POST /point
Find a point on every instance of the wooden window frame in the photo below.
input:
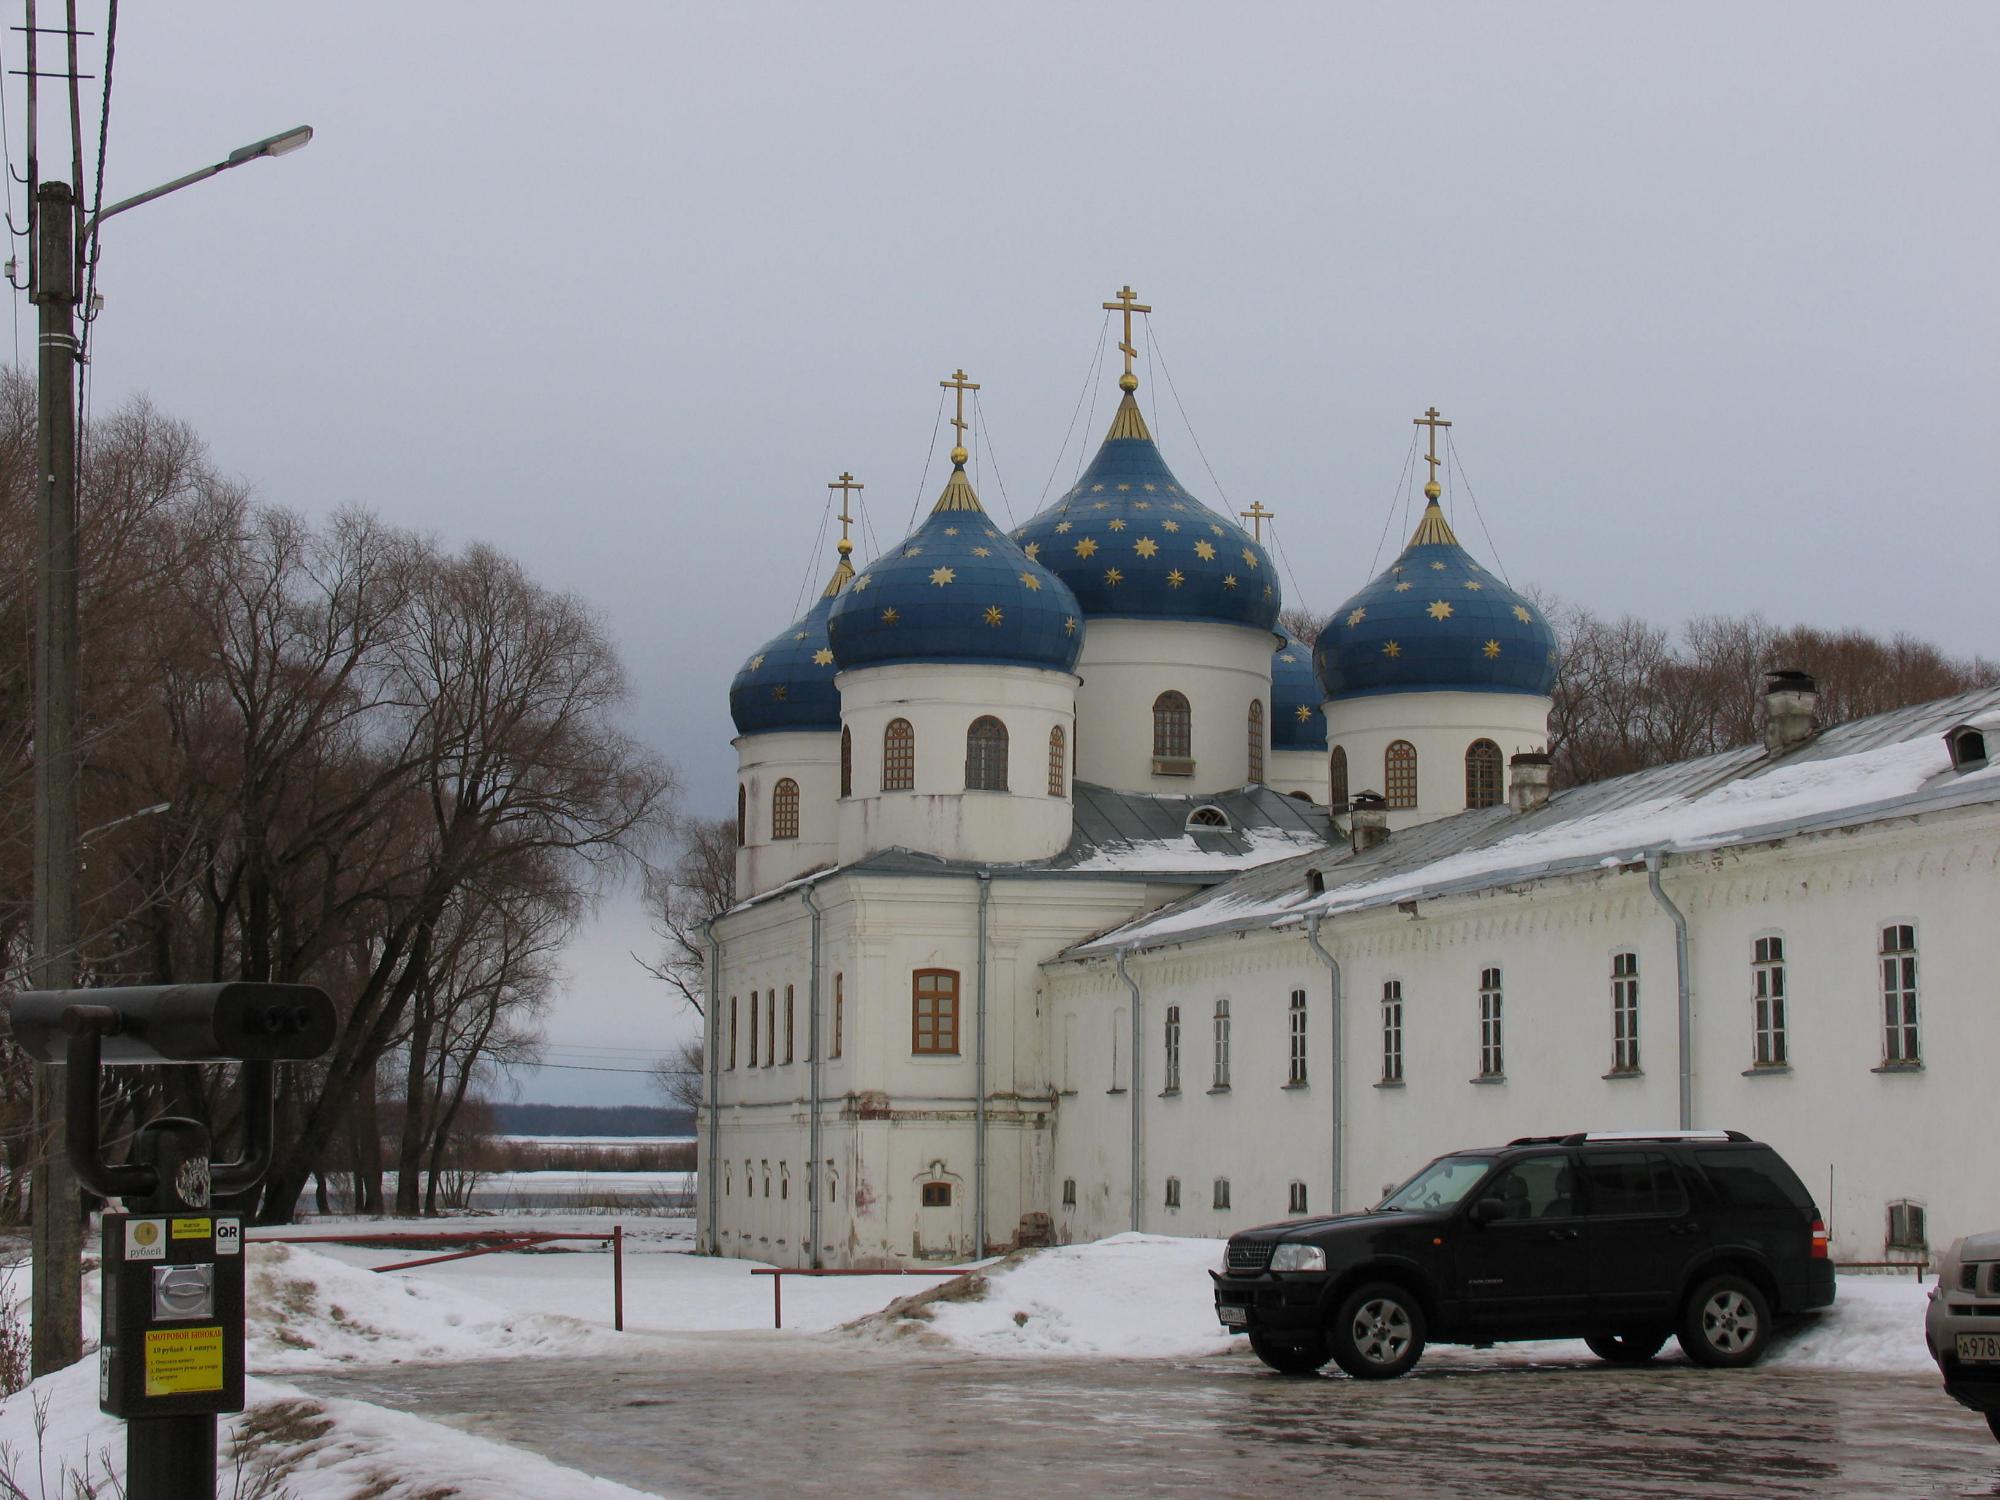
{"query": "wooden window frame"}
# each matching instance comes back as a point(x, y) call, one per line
point(790, 1028)
point(1256, 741)
point(899, 756)
point(1220, 1037)
point(784, 810)
point(1399, 776)
point(1901, 1034)
point(941, 1033)
point(753, 1028)
point(846, 761)
point(742, 814)
point(1058, 763)
point(935, 1195)
point(1492, 1023)
point(1770, 1003)
point(732, 1033)
point(1625, 1012)
point(1173, 1050)
point(986, 754)
point(839, 1010)
point(1392, 1031)
point(1295, 1072)
point(1173, 734)
point(1336, 778)
point(771, 1027)
point(1483, 774)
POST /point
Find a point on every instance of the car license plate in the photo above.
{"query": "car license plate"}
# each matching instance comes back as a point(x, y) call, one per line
point(1979, 1348)
point(1235, 1317)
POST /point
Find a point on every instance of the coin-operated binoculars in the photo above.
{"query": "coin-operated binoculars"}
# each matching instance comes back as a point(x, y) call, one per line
point(170, 1353)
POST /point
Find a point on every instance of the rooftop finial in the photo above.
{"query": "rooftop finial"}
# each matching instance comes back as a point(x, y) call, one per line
point(961, 385)
point(844, 570)
point(1128, 303)
point(1256, 515)
point(1431, 420)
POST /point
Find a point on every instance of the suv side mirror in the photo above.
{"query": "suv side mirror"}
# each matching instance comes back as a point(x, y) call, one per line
point(1485, 1211)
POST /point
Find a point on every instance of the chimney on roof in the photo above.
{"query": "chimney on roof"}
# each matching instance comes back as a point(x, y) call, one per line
point(1790, 699)
point(1528, 781)
point(1367, 820)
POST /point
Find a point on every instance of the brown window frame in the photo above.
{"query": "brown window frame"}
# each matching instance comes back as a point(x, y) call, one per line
point(753, 1028)
point(846, 761)
point(943, 1036)
point(986, 755)
point(1058, 767)
point(936, 1195)
point(839, 1009)
point(1173, 726)
point(1256, 740)
point(742, 814)
point(789, 1029)
point(732, 1033)
point(899, 756)
point(771, 1027)
point(1336, 778)
point(784, 809)
point(1399, 775)
point(1482, 774)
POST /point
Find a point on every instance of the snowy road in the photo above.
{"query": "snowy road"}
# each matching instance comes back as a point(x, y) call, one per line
point(752, 1416)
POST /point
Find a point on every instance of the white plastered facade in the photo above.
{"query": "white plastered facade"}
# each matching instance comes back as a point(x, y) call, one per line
point(1442, 726)
point(1127, 664)
point(811, 761)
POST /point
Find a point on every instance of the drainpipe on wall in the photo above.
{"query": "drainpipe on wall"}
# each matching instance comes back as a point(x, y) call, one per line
point(1686, 995)
point(1138, 1097)
point(979, 1068)
point(1339, 1071)
point(812, 1052)
point(713, 1055)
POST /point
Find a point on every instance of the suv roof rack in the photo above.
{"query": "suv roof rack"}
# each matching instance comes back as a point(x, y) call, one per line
point(1579, 1137)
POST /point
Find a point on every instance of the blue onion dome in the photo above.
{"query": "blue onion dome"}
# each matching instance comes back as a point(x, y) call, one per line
point(1436, 622)
point(787, 684)
point(1298, 717)
point(957, 590)
point(1134, 544)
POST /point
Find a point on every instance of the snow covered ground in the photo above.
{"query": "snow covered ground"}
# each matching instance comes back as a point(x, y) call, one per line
point(313, 1306)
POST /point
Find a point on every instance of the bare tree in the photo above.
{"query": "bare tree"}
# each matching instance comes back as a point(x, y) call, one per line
point(1304, 624)
point(680, 1075)
point(699, 887)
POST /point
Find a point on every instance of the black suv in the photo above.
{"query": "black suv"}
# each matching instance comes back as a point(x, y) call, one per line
point(1618, 1239)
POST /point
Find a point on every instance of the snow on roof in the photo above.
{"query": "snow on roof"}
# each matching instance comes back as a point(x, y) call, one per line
point(1889, 765)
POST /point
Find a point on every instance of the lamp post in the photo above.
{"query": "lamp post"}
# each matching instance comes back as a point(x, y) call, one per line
point(57, 1311)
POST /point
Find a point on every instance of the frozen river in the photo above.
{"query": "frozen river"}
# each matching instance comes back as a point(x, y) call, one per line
point(753, 1416)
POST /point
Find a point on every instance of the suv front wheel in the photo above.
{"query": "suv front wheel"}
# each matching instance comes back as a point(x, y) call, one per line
point(1726, 1323)
point(1378, 1332)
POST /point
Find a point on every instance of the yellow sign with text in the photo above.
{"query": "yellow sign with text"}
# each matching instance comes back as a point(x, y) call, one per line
point(183, 1361)
point(192, 1229)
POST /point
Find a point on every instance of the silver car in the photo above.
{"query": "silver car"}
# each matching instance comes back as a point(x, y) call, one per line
point(1962, 1324)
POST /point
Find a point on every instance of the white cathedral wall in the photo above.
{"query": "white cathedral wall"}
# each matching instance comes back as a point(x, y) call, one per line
point(938, 815)
point(1291, 771)
point(1442, 727)
point(810, 758)
point(1861, 1138)
point(1127, 664)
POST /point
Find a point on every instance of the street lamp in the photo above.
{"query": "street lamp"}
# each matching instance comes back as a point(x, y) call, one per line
point(57, 1337)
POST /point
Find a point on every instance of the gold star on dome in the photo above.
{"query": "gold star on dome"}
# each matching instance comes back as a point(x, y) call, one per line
point(1397, 569)
point(1100, 504)
point(1474, 584)
point(1473, 566)
point(1175, 578)
point(982, 551)
point(1288, 658)
point(1145, 546)
point(1031, 583)
point(1085, 548)
point(1523, 616)
point(1304, 713)
point(1170, 525)
point(1205, 550)
point(911, 551)
point(890, 615)
point(798, 635)
point(1173, 489)
point(1062, 526)
point(1149, 488)
point(778, 693)
point(1124, 487)
point(1215, 528)
point(1437, 567)
point(1403, 587)
point(1229, 580)
point(1096, 488)
point(992, 533)
point(1177, 504)
point(1033, 551)
point(1249, 558)
point(822, 657)
point(1117, 523)
point(1354, 618)
point(1069, 624)
point(993, 614)
point(942, 576)
point(1440, 610)
point(1113, 577)
point(862, 583)
point(1391, 649)
point(1491, 649)
point(1267, 591)
point(1143, 504)
point(757, 661)
point(951, 531)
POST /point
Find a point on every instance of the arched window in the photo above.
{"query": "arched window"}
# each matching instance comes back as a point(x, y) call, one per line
point(899, 756)
point(1257, 739)
point(1482, 774)
point(1336, 778)
point(846, 761)
point(986, 755)
point(1399, 774)
point(1173, 727)
point(1058, 781)
point(785, 809)
point(742, 813)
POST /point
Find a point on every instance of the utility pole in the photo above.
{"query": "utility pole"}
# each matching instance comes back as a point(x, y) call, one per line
point(58, 1230)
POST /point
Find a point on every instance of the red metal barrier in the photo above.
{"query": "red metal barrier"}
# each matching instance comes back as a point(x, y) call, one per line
point(1919, 1268)
point(779, 1273)
point(501, 1241)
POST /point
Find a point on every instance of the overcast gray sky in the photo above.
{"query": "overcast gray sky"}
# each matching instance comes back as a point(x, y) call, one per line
point(1707, 289)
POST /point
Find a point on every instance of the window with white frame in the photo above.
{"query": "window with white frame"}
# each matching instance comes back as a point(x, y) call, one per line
point(1899, 994)
point(1906, 1226)
point(1295, 1075)
point(1492, 1055)
point(1392, 1031)
point(1173, 1192)
point(1297, 1199)
point(1219, 1195)
point(1624, 1012)
point(1221, 1045)
point(1767, 988)
point(1173, 1068)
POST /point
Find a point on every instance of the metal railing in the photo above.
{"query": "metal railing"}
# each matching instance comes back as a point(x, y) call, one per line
point(779, 1273)
point(1918, 1268)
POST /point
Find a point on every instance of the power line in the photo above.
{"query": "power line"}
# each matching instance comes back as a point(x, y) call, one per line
point(1152, 341)
point(1089, 377)
point(1389, 519)
point(985, 438)
point(1451, 451)
point(924, 482)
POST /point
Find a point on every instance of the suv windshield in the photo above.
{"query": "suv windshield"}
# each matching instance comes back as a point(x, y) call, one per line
point(1439, 1185)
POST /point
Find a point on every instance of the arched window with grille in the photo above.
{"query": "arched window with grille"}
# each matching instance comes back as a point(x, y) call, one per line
point(785, 809)
point(986, 755)
point(1336, 778)
point(1058, 771)
point(1257, 739)
point(1399, 774)
point(899, 756)
point(1482, 774)
point(1173, 735)
point(846, 761)
point(742, 814)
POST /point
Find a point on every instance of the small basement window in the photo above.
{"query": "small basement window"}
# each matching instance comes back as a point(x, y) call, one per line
point(1069, 1192)
point(1967, 746)
point(1906, 1226)
point(1173, 1192)
point(937, 1195)
point(1207, 817)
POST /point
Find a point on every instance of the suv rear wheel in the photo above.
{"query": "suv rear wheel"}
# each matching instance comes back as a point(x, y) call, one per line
point(1627, 1348)
point(1287, 1360)
point(1726, 1323)
point(1378, 1332)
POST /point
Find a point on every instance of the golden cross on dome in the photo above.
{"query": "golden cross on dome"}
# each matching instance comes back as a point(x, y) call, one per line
point(1128, 303)
point(1256, 515)
point(846, 484)
point(1431, 420)
point(961, 385)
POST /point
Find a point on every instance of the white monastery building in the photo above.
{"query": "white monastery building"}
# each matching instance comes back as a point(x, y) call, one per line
point(1076, 897)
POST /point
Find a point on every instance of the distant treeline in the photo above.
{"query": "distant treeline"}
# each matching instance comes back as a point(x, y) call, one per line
point(590, 1119)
